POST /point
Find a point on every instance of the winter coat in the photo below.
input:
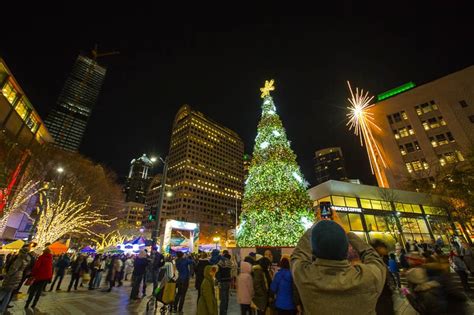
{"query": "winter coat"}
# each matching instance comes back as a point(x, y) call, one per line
point(426, 297)
point(199, 271)
point(225, 270)
point(207, 303)
point(459, 265)
point(245, 284)
point(14, 273)
point(337, 287)
point(43, 268)
point(158, 261)
point(393, 266)
point(182, 265)
point(282, 286)
point(385, 301)
point(62, 264)
point(261, 288)
point(468, 258)
point(215, 257)
point(139, 266)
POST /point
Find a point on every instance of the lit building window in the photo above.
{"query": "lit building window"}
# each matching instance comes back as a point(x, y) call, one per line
point(9, 92)
point(425, 125)
point(417, 166)
point(409, 168)
point(402, 150)
point(404, 115)
point(403, 132)
point(425, 164)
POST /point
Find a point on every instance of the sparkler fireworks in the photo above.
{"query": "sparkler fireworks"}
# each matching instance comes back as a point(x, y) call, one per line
point(362, 122)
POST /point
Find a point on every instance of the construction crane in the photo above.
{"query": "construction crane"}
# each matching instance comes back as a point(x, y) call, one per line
point(95, 53)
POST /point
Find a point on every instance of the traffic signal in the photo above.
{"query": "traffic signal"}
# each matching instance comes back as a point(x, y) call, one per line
point(151, 217)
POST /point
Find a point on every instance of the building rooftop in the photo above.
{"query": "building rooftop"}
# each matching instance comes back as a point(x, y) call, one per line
point(338, 188)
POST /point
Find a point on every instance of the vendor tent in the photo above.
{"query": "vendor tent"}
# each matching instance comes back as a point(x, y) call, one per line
point(16, 245)
point(88, 250)
point(58, 248)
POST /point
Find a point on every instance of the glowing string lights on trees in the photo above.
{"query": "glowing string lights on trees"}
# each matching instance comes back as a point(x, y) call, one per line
point(361, 120)
point(60, 217)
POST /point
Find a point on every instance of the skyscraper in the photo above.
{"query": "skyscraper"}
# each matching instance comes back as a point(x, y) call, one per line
point(329, 164)
point(67, 121)
point(205, 169)
point(426, 130)
point(138, 179)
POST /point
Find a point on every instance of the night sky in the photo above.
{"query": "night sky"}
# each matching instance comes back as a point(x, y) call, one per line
point(216, 58)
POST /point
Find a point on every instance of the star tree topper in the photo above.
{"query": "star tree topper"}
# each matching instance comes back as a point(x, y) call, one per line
point(267, 88)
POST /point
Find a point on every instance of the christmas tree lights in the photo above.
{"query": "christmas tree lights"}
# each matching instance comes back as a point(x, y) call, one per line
point(276, 208)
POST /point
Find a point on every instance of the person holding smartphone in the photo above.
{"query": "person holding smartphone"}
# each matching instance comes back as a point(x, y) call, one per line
point(327, 282)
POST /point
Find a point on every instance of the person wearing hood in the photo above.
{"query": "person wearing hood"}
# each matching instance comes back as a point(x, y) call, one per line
point(224, 278)
point(42, 273)
point(199, 271)
point(13, 277)
point(61, 266)
point(330, 284)
point(139, 275)
point(282, 286)
point(261, 285)
point(245, 288)
point(207, 302)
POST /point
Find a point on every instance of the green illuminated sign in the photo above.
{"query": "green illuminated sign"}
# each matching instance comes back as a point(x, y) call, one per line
point(395, 91)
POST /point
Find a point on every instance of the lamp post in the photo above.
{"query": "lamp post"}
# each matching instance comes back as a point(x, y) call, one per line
point(156, 230)
point(216, 240)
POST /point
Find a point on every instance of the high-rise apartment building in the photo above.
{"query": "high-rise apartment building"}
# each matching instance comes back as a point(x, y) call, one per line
point(205, 170)
point(329, 164)
point(67, 121)
point(138, 180)
point(426, 129)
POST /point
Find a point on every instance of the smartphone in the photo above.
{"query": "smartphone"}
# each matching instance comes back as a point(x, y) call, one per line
point(325, 210)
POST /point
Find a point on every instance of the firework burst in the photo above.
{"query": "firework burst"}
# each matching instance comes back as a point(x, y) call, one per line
point(363, 122)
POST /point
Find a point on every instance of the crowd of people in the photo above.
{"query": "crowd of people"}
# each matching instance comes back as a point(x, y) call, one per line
point(330, 271)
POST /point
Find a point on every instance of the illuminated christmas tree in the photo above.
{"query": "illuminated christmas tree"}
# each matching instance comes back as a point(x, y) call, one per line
point(276, 208)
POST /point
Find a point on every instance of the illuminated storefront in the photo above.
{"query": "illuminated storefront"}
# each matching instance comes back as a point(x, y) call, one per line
point(387, 214)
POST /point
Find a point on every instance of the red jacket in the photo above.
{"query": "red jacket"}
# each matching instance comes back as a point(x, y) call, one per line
point(43, 268)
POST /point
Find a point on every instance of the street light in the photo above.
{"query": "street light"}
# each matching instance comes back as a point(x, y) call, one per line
point(169, 194)
point(156, 230)
point(216, 240)
point(60, 170)
point(153, 159)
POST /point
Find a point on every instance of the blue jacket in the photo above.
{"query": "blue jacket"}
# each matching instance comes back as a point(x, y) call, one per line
point(282, 286)
point(392, 265)
point(182, 265)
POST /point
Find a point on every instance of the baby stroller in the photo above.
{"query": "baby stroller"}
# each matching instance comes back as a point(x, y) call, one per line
point(163, 297)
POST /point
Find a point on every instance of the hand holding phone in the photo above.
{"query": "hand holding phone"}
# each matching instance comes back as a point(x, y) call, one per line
point(325, 210)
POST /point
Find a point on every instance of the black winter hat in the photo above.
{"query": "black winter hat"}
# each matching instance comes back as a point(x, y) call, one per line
point(329, 241)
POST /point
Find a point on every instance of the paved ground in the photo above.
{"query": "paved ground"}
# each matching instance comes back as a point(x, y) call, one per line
point(97, 302)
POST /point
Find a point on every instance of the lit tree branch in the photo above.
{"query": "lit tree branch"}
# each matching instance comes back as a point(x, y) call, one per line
point(24, 194)
point(61, 217)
